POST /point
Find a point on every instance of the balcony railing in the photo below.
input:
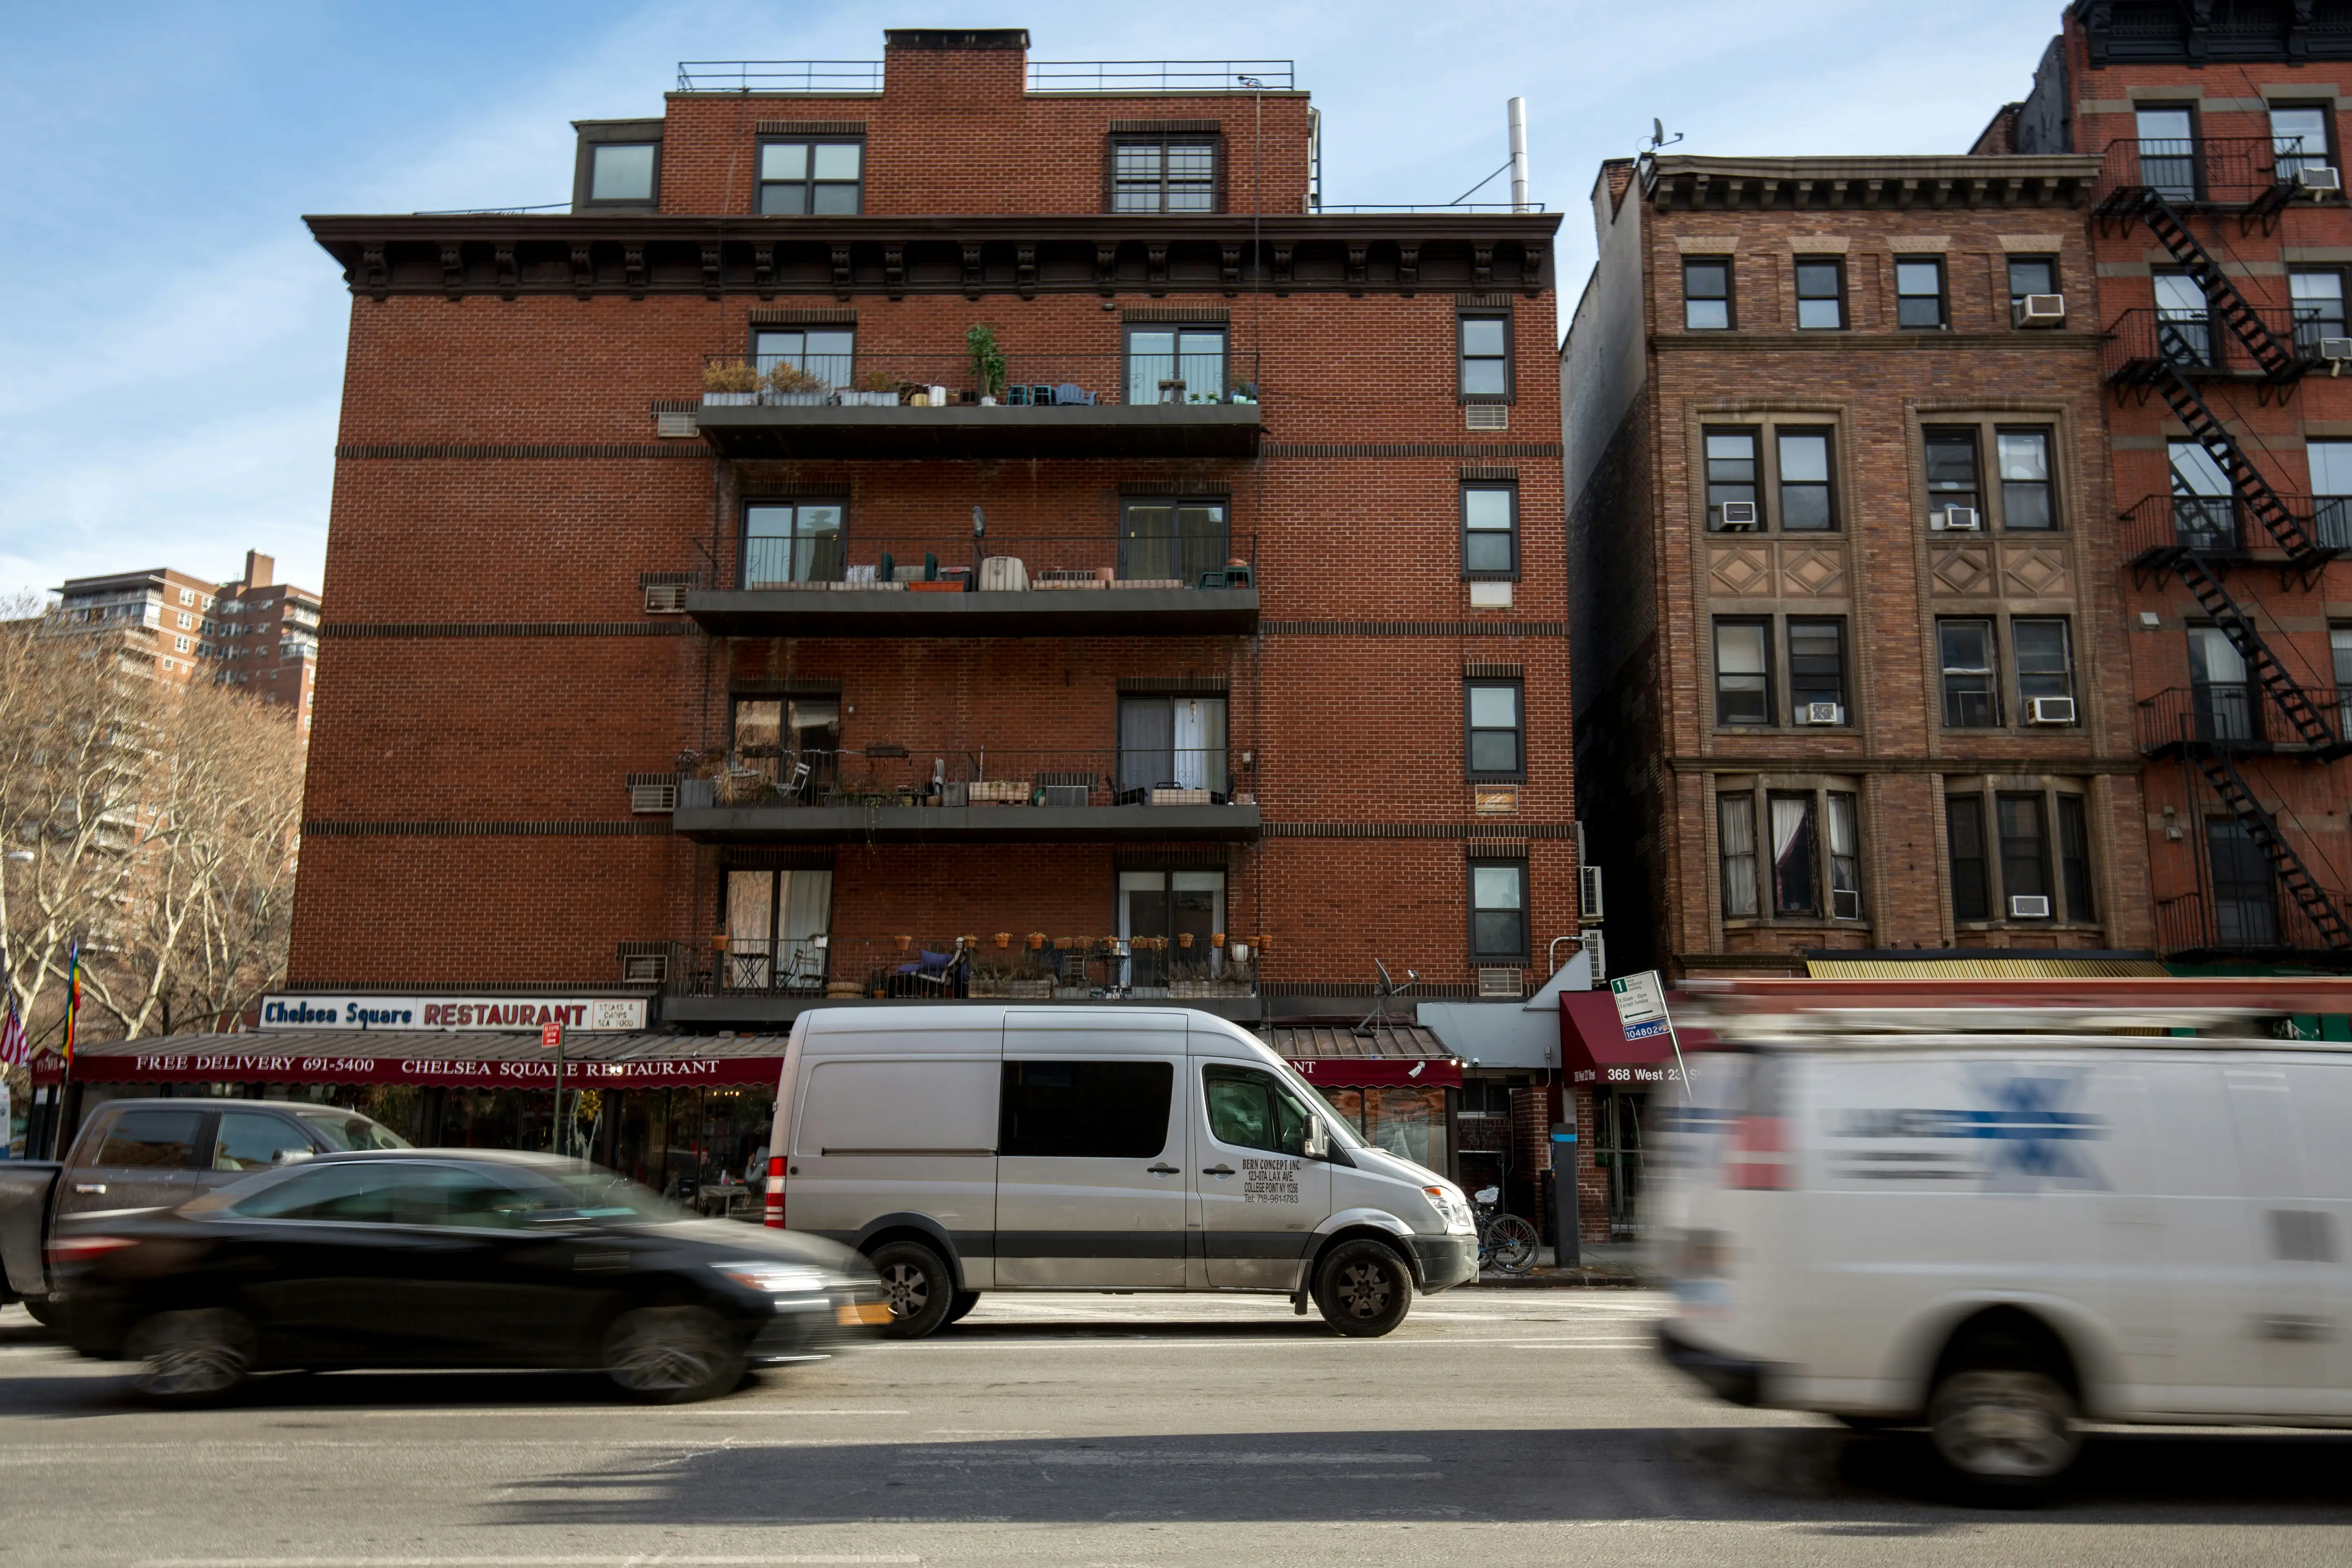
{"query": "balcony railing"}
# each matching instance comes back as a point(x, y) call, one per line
point(780, 75)
point(894, 777)
point(2231, 716)
point(2157, 528)
point(2252, 919)
point(1027, 965)
point(1161, 75)
point(1193, 561)
point(2217, 171)
point(1037, 381)
point(2199, 343)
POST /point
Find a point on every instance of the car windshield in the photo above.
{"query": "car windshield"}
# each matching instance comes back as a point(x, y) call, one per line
point(601, 1194)
point(348, 1129)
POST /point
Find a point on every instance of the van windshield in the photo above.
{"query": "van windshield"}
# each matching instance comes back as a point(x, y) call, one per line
point(348, 1129)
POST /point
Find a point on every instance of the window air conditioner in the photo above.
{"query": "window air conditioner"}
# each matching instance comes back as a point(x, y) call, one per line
point(1487, 417)
point(2051, 710)
point(666, 599)
point(2030, 907)
point(1596, 948)
point(1501, 982)
point(653, 798)
point(1588, 890)
point(1845, 903)
point(2318, 180)
point(2336, 348)
point(1954, 519)
point(2039, 311)
point(648, 969)
point(1825, 714)
point(670, 426)
point(1738, 515)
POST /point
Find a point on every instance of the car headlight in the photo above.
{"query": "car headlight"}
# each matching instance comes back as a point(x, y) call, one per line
point(773, 1279)
point(1451, 1208)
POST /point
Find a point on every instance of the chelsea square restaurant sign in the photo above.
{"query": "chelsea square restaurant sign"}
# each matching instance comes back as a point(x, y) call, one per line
point(452, 1012)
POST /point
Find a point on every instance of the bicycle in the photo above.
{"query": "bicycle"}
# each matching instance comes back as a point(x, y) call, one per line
point(1505, 1242)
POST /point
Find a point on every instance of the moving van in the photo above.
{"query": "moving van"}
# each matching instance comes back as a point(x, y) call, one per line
point(1997, 1215)
point(974, 1148)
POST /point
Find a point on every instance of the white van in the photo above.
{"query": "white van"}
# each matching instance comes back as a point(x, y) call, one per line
point(1999, 1220)
point(973, 1148)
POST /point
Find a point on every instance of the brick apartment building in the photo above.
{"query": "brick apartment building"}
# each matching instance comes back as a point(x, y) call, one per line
point(2221, 239)
point(712, 623)
point(252, 631)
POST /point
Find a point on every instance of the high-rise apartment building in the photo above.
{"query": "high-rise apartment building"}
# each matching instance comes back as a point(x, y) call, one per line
point(250, 632)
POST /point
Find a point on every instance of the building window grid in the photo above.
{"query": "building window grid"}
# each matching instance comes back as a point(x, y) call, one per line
point(1920, 302)
point(1998, 846)
point(1490, 530)
point(1809, 865)
point(1163, 174)
point(1707, 302)
point(1821, 293)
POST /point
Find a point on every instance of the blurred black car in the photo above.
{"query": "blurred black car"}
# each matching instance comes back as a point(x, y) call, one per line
point(453, 1258)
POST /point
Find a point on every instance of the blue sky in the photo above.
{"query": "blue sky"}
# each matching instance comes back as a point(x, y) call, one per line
point(171, 343)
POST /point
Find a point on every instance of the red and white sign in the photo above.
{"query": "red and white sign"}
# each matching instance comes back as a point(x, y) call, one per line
point(536, 1071)
point(454, 1012)
point(550, 1036)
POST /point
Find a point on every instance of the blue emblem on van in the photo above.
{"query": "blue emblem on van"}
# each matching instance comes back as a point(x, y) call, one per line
point(2025, 1130)
point(2033, 1128)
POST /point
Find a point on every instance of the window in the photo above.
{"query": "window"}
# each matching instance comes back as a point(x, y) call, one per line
point(797, 178)
point(1735, 819)
point(2031, 275)
point(1964, 835)
point(248, 1141)
point(2074, 856)
point(2318, 308)
point(1249, 1108)
point(1970, 700)
point(1172, 538)
point(2024, 853)
point(1493, 723)
point(1498, 912)
point(344, 1194)
point(1795, 885)
point(778, 920)
point(1805, 481)
point(150, 1141)
point(2331, 490)
point(1951, 463)
point(2246, 889)
point(2225, 702)
point(2299, 138)
point(2204, 511)
point(1086, 1111)
point(1486, 342)
point(1731, 475)
point(1490, 529)
point(2184, 319)
point(2026, 499)
point(1919, 292)
point(1743, 675)
point(1706, 293)
point(1821, 293)
point(1816, 666)
point(1164, 174)
point(1175, 365)
point(1171, 742)
point(792, 541)
point(2045, 665)
point(1171, 905)
point(824, 354)
point(2167, 151)
point(1846, 857)
point(622, 171)
point(188, 596)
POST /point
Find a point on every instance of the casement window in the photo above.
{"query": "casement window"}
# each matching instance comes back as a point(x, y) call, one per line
point(1494, 722)
point(823, 354)
point(1953, 476)
point(801, 178)
point(1817, 668)
point(2299, 138)
point(2318, 298)
point(2031, 275)
point(1919, 304)
point(1821, 293)
point(1172, 538)
point(2044, 657)
point(1743, 673)
point(1804, 480)
point(777, 927)
point(1732, 476)
point(1707, 294)
point(622, 171)
point(1484, 342)
point(1163, 174)
point(2184, 319)
point(1171, 905)
point(1171, 742)
point(1175, 365)
point(1498, 912)
point(2004, 862)
point(2167, 151)
point(1490, 529)
point(2026, 498)
point(1971, 693)
point(1806, 864)
point(788, 542)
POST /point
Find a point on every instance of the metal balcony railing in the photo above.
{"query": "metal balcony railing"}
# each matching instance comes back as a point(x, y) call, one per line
point(1028, 380)
point(2232, 715)
point(2215, 171)
point(883, 777)
point(2199, 343)
point(2159, 526)
point(1161, 75)
point(1031, 965)
point(780, 75)
point(2249, 918)
point(938, 562)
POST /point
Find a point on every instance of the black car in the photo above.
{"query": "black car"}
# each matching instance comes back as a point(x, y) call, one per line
point(453, 1258)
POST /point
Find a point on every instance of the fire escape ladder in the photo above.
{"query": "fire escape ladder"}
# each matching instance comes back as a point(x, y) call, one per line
point(2263, 828)
point(2278, 360)
point(2311, 726)
point(2253, 490)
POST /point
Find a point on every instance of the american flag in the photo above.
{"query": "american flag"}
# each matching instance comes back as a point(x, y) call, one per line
point(13, 1052)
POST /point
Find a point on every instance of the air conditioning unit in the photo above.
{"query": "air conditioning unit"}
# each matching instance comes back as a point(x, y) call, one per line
point(2039, 311)
point(2336, 348)
point(2318, 180)
point(648, 969)
point(1845, 903)
point(2051, 710)
point(1588, 892)
point(1954, 519)
point(1596, 948)
point(1738, 515)
point(1487, 417)
point(1505, 983)
point(2030, 907)
point(672, 426)
point(656, 799)
point(1825, 714)
point(1063, 794)
point(666, 599)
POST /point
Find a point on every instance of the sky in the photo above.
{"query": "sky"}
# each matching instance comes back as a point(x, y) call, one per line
point(172, 341)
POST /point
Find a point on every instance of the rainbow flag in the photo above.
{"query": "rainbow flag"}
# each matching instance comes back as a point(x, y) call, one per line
point(73, 995)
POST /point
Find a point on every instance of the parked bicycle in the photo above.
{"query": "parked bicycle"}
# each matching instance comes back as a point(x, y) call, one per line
point(1505, 1242)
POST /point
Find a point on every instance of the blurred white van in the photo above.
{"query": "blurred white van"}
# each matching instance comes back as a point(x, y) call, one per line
point(1998, 1214)
point(973, 1148)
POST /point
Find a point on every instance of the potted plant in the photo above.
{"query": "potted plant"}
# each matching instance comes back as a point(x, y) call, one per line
point(730, 380)
point(876, 389)
point(788, 383)
point(987, 359)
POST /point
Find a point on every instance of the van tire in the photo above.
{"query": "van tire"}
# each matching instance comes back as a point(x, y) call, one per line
point(1363, 1289)
point(919, 1287)
point(2007, 1432)
point(965, 1300)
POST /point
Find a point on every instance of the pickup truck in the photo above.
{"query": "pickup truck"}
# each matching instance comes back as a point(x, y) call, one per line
point(137, 1154)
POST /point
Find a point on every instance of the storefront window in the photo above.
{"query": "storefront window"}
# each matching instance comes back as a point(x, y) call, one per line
point(1407, 1122)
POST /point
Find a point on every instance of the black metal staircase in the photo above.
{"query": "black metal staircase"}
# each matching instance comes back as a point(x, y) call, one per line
point(2278, 360)
point(2311, 726)
point(2302, 551)
point(2262, 827)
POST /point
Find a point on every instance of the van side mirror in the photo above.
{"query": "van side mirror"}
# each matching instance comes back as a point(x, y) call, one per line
point(1318, 1138)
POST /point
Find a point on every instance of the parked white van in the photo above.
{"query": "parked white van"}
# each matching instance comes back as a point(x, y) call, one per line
point(973, 1148)
point(1999, 1218)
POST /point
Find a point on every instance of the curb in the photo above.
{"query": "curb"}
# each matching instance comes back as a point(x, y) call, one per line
point(1560, 1279)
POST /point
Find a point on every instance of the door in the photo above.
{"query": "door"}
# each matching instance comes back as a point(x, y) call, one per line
point(2245, 892)
point(1261, 1195)
point(135, 1157)
point(1090, 1188)
point(2293, 1319)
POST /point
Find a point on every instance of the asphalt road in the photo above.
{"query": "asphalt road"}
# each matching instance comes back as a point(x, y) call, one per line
point(1497, 1426)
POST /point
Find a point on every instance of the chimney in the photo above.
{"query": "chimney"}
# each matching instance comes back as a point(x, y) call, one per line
point(1517, 114)
point(963, 71)
point(258, 569)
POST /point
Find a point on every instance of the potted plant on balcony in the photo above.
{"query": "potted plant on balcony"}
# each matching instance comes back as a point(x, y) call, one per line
point(730, 380)
point(987, 359)
point(788, 383)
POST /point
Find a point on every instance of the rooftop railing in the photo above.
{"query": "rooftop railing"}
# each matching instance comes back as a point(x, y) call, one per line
point(883, 777)
point(942, 562)
point(1161, 75)
point(780, 75)
point(1027, 380)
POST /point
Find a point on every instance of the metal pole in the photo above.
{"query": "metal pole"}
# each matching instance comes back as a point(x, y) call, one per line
point(561, 1142)
point(1519, 116)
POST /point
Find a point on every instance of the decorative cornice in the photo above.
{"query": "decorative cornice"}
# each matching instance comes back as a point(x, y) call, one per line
point(1818, 185)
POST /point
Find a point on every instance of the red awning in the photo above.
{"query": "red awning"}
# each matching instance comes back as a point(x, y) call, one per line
point(1393, 1055)
point(1593, 1047)
point(490, 1061)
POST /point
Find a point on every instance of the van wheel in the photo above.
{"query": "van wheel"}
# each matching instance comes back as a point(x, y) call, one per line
point(191, 1358)
point(1363, 1289)
point(917, 1284)
point(2007, 1433)
point(965, 1300)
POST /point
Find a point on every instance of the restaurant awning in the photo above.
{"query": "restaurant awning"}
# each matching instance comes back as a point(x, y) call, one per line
point(1336, 1056)
point(613, 1059)
point(1593, 1047)
point(1991, 966)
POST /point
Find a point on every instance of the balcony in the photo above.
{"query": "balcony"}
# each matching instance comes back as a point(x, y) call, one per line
point(902, 407)
point(885, 795)
point(2230, 173)
point(2201, 346)
point(1032, 966)
point(2248, 921)
point(2232, 717)
point(2159, 530)
point(1201, 583)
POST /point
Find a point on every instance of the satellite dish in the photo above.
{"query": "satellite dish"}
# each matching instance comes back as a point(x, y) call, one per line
point(1657, 132)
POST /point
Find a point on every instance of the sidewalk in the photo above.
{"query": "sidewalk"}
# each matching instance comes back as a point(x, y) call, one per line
point(1599, 1264)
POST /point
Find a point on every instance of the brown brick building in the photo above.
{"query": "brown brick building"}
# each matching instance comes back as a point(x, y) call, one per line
point(709, 618)
point(250, 632)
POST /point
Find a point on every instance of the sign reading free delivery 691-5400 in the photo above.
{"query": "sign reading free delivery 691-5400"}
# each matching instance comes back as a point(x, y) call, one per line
point(458, 1013)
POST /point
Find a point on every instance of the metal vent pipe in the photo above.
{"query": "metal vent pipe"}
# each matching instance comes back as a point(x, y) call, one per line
point(1519, 113)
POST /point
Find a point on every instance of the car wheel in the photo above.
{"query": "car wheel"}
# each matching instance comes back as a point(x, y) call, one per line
point(47, 1310)
point(672, 1355)
point(915, 1283)
point(1363, 1289)
point(2009, 1433)
point(962, 1306)
point(193, 1357)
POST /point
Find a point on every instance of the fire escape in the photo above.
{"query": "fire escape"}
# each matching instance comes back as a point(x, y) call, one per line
point(2169, 352)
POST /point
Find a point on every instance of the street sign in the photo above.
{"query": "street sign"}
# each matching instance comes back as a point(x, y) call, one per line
point(551, 1036)
point(1641, 1011)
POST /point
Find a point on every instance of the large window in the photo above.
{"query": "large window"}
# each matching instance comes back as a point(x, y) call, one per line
point(2000, 848)
point(1706, 293)
point(1486, 360)
point(1163, 174)
point(1172, 538)
point(2045, 660)
point(1181, 909)
point(777, 922)
point(823, 355)
point(2026, 498)
point(1490, 530)
point(2167, 151)
point(1175, 365)
point(1732, 480)
point(1085, 1111)
point(1496, 726)
point(2299, 138)
point(1171, 742)
point(1821, 293)
point(1743, 672)
point(788, 542)
point(1817, 670)
point(1804, 487)
point(1971, 694)
point(776, 737)
point(804, 177)
point(622, 171)
point(1789, 851)
point(1498, 912)
point(1953, 478)
point(1920, 293)
point(2318, 297)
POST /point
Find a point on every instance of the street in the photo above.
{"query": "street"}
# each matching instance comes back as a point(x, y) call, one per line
point(1518, 1425)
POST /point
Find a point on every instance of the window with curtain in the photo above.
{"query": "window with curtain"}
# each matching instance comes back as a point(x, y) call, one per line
point(786, 543)
point(2074, 856)
point(1171, 742)
point(1175, 365)
point(1795, 882)
point(2024, 847)
point(2027, 500)
point(1498, 912)
point(1846, 857)
point(1172, 538)
point(1736, 831)
point(1964, 833)
point(777, 922)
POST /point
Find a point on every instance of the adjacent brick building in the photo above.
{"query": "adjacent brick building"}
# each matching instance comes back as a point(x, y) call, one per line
point(250, 632)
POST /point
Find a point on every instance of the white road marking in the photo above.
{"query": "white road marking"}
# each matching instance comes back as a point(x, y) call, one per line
point(626, 1560)
point(605, 1410)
